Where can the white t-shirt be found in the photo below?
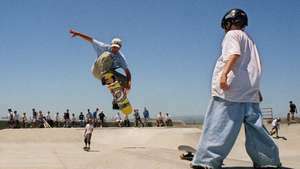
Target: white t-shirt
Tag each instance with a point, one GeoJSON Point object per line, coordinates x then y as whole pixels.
{"type": "Point", "coordinates": [245, 77]}
{"type": "Point", "coordinates": [89, 129]}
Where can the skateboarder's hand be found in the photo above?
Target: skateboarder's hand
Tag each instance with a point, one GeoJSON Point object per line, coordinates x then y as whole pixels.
{"type": "Point", "coordinates": [223, 83]}
{"type": "Point", "coordinates": [128, 87]}
{"type": "Point", "coordinates": [73, 33]}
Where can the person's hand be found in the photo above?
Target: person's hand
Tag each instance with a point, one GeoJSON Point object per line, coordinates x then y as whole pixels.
{"type": "Point", "coordinates": [260, 96]}
{"type": "Point", "coordinates": [128, 87]}
{"type": "Point", "coordinates": [223, 82]}
{"type": "Point", "coordinates": [73, 33]}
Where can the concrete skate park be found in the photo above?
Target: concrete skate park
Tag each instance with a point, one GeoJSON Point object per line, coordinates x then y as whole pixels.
{"type": "Point", "coordinates": [126, 148]}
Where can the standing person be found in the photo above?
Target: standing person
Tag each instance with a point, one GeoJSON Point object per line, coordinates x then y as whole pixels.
{"type": "Point", "coordinates": [40, 119]}
{"type": "Point", "coordinates": [293, 110]}
{"type": "Point", "coordinates": [160, 120]}
{"type": "Point", "coordinates": [67, 118]}
{"type": "Point", "coordinates": [275, 127]}
{"type": "Point", "coordinates": [126, 121]}
{"type": "Point", "coordinates": [88, 116]}
{"type": "Point", "coordinates": [168, 120]}
{"type": "Point", "coordinates": [16, 119]}
{"type": "Point", "coordinates": [81, 119]}
{"type": "Point", "coordinates": [34, 118]}
{"type": "Point", "coordinates": [137, 118]}
{"type": "Point", "coordinates": [88, 134]}
{"type": "Point", "coordinates": [95, 117]}
{"type": "Point", "coordinates": [118, 119]}
{"type": "Point", "coordinates": [24, 120]}
{"type": "Point", "coordinates": [57, 120]}
{"type": "Point", "coordinates": [10, 118]}
{"type": "Point", "coordinates": [101, 117]}
{"type": "Point", "coordinates": [49, 119]}
{"type": "Point", "coordinates": [116, 61]}
{"type": "Point", "coordinates": [235, 100]}
{"type": "Point", "coordinates": [73, 120]}
{"type": "Point", "coordinates": [146, 115]}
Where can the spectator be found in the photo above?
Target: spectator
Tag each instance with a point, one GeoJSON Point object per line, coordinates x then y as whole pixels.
{"type": "Point", "coordinates": [146, 114]}
{"type": "Point", "coordinates": [126, 121]}
{"type": "Point", "coordinates": [10, 118]}
{"type": "Point", "coordinates": [34, 118]}
{"type": "Point", "coordinates": [67, 118]}
{"type": "Point", "coordinates": [40, 119]}
{"type": "Point", "coordinates": [49, 119]}
{"type": "Point", "coordinates": [81, 119]}
{"type": "Point", "coordinates": [73, 120]}
{"type": "Point", "coordinates": [57, 119]}
{"type": "Point", "coordinates": [118, 119]}
{"type": "Point", "coordinates": [88, 115]}
{"type": "Point", "coordinates": [168, 120]}
{"type": "Point", "coordinates": [95, 117]}
{"type": "Point", "coordinates": [137, 118]}
{"type": "Point", "coordinates": [101, 117]}
{"type": "Point", "coordinates": [16, 120]}
{"type": "Point", "coordinates": [24, 120]}
{"type": "Point", "coordinates": [160, 120]}
{"type": "Point", "coordinates": [293, 110]}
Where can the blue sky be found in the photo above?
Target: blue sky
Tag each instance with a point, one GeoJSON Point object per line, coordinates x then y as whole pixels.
{"type": "Point", "coordinates": [171, 47]}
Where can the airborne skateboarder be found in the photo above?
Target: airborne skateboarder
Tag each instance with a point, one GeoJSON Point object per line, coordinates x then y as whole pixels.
{"type": "Point", "coordinates": [235, 100]}
{"type": "Point", "coordinates": [117, 60]}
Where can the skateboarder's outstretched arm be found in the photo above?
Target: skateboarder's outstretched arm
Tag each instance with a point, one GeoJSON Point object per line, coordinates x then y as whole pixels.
{"type": "Point", "coordinates": [81, 35]}
{"type": "Point", "coordinates": [128, 75]}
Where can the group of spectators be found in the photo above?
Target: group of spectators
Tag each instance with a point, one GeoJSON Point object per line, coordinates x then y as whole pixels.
{"type": "Point", "coordinates": [39, 119]}
{"type": "Point", "coordinates": [160, 121]}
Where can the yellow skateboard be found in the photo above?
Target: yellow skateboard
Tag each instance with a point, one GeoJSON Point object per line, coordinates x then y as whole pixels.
{"type": "Point", "coordinates": [118, 93]}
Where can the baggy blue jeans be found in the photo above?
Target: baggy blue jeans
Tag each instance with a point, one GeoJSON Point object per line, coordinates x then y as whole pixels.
{"type": "Point", "coordinates": [222, 124]}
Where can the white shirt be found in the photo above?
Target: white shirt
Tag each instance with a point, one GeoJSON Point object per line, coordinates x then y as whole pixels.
{"type": "Point", "coordinates": [118, 60]}
{"type": "Point", "coordinates": [89, 129]}
{"type": "Point", "coordinates": [245, 77]}
{"type": "Point", "coordinates": [48, 117]}
{"type": "Point", "coordinates": [57, 117]}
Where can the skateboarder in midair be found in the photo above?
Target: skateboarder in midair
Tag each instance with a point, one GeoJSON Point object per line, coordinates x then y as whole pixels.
{"type": "Point", "coordinates": [118, 59]}
{"type": "Point", "coordinates": [235, 100]}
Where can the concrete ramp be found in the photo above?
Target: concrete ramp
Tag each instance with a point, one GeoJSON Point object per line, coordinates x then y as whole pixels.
{"type": "Point", "coordinates": [115, 148]}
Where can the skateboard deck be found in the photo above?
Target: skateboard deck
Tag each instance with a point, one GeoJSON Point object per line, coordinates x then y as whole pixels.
{"type": "Point", "coordinates": [188, 152]}
{"type": "Point", "coordinates": [118, 93]}
{"type": "Point", "coordinates": [186, 148]}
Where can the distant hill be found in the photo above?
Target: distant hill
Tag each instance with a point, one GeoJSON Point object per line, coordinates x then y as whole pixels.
{"type": "Point", "coordinates": [190, 119]}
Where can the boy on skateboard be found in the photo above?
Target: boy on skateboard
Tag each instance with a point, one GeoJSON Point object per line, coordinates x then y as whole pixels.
{"type": "Point", "coordinates": [275, 127]}
{"type": "Point", "coordinates": [88, 135]}
{"type": "Point", "coordinates": [235, 100]}
{"type": "Point", "coordinates": [117, 60]}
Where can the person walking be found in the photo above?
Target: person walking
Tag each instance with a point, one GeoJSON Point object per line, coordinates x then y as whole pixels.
{"type": "Point", "coordinates": [101, 118]}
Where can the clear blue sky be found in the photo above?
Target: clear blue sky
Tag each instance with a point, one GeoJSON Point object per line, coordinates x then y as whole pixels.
{"type": "Point", "coordinates": [171, 47]}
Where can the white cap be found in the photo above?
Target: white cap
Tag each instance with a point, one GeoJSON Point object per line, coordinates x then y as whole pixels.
{"type": "Point", "coordinates": [116, 42]}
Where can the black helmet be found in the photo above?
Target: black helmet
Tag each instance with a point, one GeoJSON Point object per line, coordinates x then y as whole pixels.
{"type": "Point", "coordinates": [234, 17]}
